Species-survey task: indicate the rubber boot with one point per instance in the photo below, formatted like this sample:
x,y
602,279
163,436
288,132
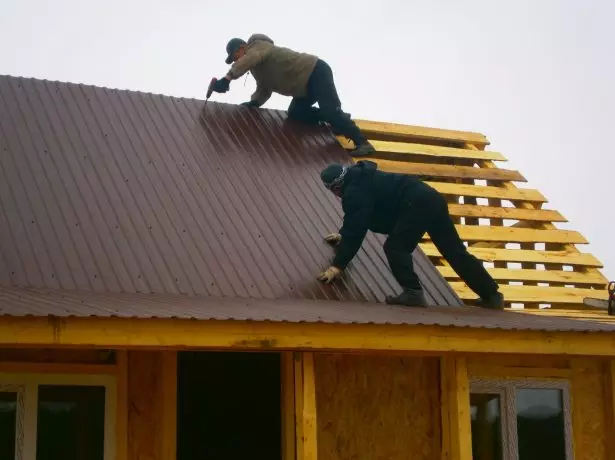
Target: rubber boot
x,y
408,298
493,302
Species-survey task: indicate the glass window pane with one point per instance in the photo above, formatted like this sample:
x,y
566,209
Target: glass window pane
x,y
71,422
8,424
486,426
540,424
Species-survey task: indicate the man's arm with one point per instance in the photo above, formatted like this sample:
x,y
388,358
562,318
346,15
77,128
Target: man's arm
x,y
254,56
357,216
261,95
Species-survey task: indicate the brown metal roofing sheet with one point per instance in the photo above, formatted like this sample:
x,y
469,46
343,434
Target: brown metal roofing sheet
x,y
117,191
21,302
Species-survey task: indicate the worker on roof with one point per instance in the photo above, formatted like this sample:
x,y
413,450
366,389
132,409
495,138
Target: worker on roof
x,y
404,208
303,76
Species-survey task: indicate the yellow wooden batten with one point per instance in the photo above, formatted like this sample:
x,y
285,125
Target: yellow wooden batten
x,y
457,164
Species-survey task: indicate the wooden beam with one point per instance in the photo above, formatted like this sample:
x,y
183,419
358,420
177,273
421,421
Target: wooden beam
x,y
536,294
610,407
455,389
121,428
491,212
305,406
517,235
482,191
372,129
169,405
511,274
426,150
499,371
446,171
253,335
522,255
288,405
57,368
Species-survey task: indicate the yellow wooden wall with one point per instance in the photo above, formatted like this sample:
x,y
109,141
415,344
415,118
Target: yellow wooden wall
x,y
591,407
377,407
367,406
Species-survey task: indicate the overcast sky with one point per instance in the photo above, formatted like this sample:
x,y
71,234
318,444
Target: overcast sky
x,y
536,76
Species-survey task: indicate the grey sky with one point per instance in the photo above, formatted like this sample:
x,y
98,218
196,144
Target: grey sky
x,y
537,77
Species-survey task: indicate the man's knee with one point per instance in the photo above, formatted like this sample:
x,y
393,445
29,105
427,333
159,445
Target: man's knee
x,y
393,247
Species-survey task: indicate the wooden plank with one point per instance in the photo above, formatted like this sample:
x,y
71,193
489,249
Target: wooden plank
x,y
520,255
610,406
168,449
517,235
455,408
446,171
280,336
427,150
121,413
541,215
375,128
536,294
305,406
287,393
509,274
482,191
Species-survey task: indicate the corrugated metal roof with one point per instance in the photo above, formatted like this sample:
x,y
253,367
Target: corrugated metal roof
x,y
117,191
43,302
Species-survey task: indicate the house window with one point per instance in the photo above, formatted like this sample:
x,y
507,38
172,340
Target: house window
x,y
520,420
68,417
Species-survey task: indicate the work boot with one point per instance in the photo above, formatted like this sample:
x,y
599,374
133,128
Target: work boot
x,y
362,150
408,298
494,301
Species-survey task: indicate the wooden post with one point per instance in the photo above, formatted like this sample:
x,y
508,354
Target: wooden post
x,y
455,393
169,405
288,405
305,406
122,406
610,407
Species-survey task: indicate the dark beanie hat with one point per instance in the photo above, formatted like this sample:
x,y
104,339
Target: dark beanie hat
x,y
333,174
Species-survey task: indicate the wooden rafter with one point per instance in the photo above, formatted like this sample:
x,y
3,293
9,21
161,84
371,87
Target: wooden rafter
x,y
534,262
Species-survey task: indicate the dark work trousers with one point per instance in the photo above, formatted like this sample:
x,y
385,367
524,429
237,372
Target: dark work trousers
x,y
321,89
428,213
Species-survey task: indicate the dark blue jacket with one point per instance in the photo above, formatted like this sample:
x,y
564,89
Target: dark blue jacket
x,y
372,200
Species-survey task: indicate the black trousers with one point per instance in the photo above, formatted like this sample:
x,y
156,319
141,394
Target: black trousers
x,y
321,89
428,213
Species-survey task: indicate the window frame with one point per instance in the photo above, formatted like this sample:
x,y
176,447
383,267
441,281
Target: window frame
x,y
27,409
506,389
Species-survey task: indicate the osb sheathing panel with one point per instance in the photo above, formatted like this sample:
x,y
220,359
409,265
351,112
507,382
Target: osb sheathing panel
x,y
145,413
377,407
588,410
54,355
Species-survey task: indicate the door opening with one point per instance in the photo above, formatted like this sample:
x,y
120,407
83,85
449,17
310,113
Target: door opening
x,y
229,406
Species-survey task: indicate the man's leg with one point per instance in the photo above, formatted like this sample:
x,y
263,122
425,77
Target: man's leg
x,y
399,246
321,88
444,235
301,109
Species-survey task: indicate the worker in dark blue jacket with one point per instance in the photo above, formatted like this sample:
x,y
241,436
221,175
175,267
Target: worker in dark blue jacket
x,y
404,208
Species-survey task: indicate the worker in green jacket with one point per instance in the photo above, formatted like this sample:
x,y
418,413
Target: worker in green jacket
x,y
303,76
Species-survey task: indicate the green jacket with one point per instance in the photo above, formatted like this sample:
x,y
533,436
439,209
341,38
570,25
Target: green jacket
x,y
275,69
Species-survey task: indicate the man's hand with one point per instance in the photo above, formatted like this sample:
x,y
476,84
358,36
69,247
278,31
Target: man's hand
x,y
250,104
334,239
329,275
221,85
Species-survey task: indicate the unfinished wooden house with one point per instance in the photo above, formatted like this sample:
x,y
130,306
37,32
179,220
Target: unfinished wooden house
x,y
158,298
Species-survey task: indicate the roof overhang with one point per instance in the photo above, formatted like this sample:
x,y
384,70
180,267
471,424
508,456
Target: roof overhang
x,y
67,318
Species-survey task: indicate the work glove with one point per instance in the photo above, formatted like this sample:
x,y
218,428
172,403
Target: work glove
x,y
329,275
250,104
334,239
221,85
